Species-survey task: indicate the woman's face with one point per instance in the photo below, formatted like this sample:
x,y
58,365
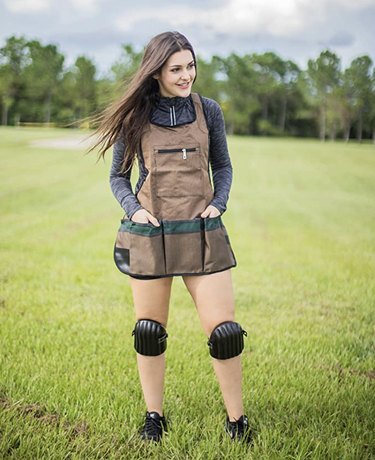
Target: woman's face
x,y
177,75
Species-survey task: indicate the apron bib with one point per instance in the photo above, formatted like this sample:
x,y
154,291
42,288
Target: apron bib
x,y
176,191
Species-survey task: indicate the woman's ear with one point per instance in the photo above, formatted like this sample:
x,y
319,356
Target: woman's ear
x,y
156,76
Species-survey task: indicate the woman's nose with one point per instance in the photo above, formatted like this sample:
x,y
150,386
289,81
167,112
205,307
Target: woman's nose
x,y
186,75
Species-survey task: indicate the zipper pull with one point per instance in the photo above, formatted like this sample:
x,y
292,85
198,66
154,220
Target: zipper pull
x,y
184,156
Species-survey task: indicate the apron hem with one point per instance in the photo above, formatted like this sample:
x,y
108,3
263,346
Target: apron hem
x,y
134,275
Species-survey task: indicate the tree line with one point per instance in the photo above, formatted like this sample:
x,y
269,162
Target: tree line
x,y
261,94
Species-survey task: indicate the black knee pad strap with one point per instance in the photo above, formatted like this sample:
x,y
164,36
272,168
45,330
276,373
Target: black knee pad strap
x,y
150,337
226,340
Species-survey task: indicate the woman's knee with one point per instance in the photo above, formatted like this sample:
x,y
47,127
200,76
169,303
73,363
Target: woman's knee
x,y
226,340
210,323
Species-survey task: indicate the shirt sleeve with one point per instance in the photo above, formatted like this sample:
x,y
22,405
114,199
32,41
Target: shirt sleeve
x,y
120,183
221,166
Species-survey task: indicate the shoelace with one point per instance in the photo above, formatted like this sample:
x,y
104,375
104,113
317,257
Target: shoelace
x,y
237,428
152,427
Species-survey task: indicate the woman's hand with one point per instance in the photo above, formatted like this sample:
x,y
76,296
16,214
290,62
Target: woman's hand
x,y
144,217
210,211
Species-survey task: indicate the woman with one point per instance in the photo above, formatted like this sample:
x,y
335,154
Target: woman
x,y
172,225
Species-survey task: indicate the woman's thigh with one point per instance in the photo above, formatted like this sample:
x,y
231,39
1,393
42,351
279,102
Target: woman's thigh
x,y
213,297
151,298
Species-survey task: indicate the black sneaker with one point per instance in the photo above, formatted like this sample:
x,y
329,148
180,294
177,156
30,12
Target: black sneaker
x,y
153,427
239,430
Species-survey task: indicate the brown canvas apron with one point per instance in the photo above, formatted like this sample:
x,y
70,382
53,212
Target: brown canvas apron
x,y
176,191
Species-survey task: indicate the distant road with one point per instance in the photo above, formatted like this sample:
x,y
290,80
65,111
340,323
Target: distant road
x,y
72,142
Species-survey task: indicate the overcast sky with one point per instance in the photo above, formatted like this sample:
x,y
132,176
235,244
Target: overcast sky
x,y
294,29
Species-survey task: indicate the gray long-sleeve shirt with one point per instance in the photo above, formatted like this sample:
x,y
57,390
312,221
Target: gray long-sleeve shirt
x,y
176,111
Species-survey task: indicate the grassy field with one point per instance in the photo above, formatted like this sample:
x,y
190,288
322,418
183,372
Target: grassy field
x,y
301,218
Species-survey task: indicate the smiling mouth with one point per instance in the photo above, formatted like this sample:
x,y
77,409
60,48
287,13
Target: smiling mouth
x,y
184,84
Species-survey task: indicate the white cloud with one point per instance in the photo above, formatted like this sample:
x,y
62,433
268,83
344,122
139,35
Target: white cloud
x,y
284,18
90,6
350,4
259,16
176,14
27,6
30,6
233,17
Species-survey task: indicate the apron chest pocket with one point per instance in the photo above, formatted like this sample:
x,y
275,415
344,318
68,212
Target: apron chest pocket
x,y
178,171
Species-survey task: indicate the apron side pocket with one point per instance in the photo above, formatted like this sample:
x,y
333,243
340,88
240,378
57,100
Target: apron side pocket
x,y
218,254
122,246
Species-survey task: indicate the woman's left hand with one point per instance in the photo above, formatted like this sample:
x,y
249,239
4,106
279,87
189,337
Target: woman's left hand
x,y
210,211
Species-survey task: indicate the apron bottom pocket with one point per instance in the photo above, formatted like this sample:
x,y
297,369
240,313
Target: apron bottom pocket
x,y
218,253
183,246
139,249
121,252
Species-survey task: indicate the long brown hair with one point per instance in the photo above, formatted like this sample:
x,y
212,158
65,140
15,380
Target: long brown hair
x,y
129,115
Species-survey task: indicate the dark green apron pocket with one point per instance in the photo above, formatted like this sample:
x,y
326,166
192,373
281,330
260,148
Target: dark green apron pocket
x,y
218,254
183,246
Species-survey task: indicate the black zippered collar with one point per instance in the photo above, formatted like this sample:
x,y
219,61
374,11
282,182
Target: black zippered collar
x,y
173,111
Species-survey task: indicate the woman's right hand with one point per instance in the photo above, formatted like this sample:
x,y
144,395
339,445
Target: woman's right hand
x,y
144,217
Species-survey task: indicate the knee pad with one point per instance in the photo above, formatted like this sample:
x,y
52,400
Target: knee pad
x,y
150,337
226,340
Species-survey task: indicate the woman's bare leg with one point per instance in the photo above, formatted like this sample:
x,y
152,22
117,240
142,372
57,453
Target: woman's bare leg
x,y
214,299
151,301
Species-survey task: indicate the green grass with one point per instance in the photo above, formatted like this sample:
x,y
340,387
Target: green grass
x,y
301,219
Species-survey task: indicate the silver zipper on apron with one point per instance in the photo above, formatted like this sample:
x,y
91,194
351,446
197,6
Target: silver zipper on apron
x,y
184,151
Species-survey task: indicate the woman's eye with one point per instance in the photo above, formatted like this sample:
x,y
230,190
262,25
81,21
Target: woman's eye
x,y
190,66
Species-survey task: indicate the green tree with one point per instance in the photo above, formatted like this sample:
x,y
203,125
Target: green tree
x,y
241,100
268,68
85,72
65,99
43,75
13,60
288,92
322,76
127,64
209,80
359,81
5,92
77,98
372,107
105,90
